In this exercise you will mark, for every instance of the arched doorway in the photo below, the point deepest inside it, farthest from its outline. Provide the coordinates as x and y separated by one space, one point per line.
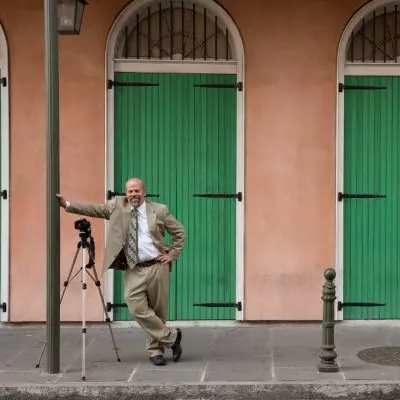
175 117
369 162
4 180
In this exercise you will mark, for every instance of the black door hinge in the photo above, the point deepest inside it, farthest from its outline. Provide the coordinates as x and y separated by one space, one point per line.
110 306
111 84
343 87
110 194
4 194
238 86
3 307
342 196
237 305
3 81
238 196
340 305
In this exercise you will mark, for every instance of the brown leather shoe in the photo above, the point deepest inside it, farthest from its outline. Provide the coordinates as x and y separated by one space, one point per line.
176 347
158 360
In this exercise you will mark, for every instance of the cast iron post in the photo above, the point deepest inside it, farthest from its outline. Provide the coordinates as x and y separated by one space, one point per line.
327 353
52 188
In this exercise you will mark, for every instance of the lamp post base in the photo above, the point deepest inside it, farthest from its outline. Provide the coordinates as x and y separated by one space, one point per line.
328 368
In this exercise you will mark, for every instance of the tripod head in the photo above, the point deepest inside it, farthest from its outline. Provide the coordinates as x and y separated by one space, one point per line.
87 241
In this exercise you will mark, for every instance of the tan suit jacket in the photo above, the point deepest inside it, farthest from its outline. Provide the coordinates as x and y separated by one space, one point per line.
117 211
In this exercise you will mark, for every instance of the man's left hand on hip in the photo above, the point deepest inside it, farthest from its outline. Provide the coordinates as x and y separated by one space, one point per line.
164 258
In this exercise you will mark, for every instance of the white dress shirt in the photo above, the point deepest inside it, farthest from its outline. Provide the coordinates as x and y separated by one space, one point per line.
147 250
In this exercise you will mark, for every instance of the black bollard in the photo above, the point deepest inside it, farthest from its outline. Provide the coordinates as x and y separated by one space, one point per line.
327 354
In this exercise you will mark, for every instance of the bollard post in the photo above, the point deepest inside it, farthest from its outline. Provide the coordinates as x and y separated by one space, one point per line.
327 354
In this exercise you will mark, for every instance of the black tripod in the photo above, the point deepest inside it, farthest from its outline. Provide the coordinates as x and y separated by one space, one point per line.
86 242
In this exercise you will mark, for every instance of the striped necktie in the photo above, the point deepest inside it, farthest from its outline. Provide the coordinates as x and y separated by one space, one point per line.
131 245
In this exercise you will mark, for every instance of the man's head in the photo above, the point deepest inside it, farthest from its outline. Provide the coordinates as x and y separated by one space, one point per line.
135 191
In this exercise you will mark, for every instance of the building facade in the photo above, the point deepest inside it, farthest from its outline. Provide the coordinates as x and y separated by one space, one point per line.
269 129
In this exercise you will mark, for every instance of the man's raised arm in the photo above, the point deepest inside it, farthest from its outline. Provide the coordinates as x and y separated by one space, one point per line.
89 210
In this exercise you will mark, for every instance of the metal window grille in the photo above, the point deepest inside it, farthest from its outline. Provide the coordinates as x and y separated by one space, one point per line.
376 38
175 30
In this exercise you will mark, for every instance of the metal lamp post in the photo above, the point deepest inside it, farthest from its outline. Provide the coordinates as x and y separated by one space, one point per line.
66 16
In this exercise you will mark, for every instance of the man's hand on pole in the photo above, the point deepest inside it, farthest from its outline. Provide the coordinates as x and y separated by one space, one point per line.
62 201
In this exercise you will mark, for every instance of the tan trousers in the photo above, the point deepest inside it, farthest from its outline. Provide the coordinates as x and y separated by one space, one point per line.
146 294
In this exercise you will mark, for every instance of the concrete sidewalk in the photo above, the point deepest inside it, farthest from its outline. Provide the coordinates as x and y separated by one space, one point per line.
247 362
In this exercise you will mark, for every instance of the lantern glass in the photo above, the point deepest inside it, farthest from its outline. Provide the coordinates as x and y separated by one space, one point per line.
70 15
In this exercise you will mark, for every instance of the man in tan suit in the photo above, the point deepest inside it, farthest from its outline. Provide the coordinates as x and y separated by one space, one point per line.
135 243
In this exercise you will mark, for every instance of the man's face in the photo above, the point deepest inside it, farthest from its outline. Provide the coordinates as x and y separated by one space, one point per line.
135 193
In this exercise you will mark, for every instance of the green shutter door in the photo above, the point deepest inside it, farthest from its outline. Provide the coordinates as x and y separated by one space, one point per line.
372 226
181 139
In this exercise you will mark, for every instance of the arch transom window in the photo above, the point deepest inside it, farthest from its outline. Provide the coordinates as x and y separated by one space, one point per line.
376 38
174 30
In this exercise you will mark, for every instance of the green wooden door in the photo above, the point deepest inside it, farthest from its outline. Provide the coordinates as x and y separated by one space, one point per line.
372 226
181 139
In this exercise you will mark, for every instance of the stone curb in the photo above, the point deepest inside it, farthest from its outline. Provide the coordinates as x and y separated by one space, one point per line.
267 391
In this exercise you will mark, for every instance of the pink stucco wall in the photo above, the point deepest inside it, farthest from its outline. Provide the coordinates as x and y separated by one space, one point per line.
290 53
291 49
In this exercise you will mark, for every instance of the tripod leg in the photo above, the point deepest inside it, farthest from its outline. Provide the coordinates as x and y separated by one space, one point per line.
41 354
70 272
97 283
83 315
62 296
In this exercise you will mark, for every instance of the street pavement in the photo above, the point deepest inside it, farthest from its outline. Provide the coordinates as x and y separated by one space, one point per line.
246 361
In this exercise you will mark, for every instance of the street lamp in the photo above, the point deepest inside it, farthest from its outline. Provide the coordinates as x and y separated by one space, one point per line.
60 16
70 14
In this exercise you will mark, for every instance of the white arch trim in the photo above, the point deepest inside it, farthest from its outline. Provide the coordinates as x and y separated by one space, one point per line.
5 178
342 70
112 65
